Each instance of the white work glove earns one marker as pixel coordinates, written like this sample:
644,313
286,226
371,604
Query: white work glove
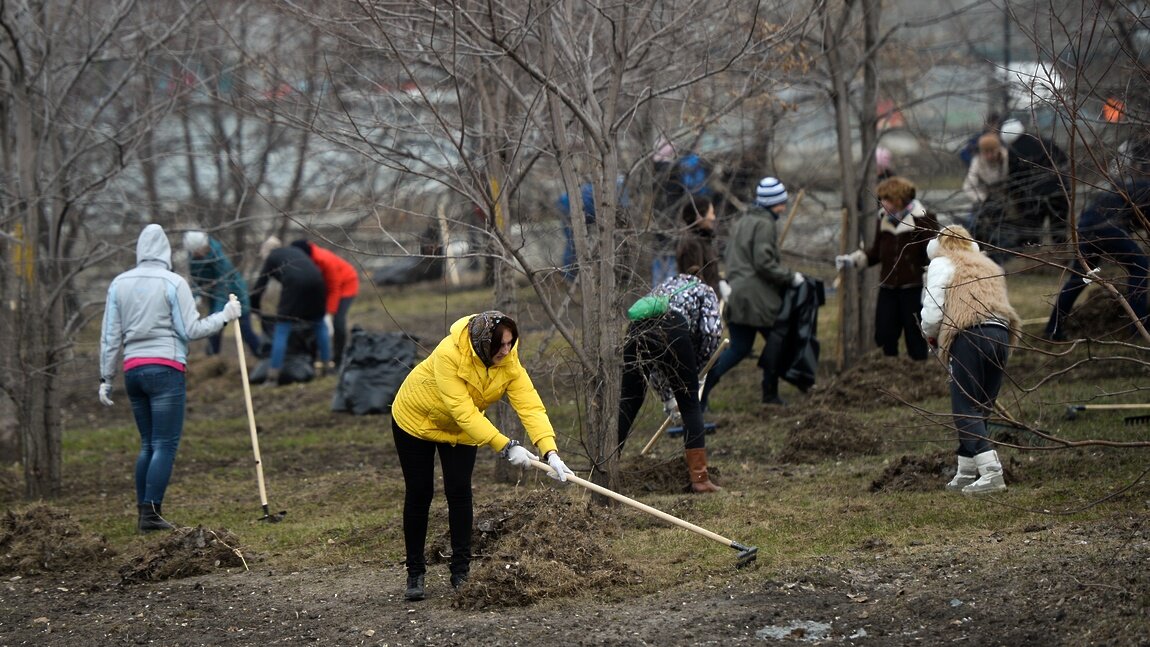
329,323
671,408
518,455
1092,276
797,280
557,464
844,262
724,290
106,394
232,309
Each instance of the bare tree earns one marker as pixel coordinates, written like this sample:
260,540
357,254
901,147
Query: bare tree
544,97
66,69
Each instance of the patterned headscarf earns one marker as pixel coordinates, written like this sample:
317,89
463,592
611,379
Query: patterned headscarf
482,330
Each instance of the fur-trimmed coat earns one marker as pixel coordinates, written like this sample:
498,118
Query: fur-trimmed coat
963,288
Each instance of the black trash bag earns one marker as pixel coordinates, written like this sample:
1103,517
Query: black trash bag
374,366
299,360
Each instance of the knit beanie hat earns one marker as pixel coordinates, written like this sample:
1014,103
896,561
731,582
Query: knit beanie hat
194,241
481,328
770,192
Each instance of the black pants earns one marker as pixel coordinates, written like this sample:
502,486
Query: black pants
417,459
896,315
977,362
662,344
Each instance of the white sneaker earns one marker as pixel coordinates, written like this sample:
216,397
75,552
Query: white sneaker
967,473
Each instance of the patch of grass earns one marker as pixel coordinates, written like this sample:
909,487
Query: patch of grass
339,480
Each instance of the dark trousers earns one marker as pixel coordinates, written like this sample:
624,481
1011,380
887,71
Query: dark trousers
339,330
417,460
742,343
977,362
1113,243
896,315
661,344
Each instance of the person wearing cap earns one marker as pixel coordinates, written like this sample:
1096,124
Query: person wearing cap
902,231
303,299
151,315
342,281
757,281
439,410
213,279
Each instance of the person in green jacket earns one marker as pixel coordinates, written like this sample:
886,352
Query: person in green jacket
757,281
439,410
213,279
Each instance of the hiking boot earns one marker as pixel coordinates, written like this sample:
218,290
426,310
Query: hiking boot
458,580
414,592
150,519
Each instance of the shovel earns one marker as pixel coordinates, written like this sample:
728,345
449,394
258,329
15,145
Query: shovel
746,553
270,518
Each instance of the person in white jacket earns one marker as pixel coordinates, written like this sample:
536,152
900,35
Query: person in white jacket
151,314
967,318
985,183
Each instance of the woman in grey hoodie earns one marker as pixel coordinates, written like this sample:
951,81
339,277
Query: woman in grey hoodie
151,314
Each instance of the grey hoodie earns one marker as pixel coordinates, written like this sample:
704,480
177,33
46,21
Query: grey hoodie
150,311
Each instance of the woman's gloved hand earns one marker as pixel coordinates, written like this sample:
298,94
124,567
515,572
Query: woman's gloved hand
518,455
557,464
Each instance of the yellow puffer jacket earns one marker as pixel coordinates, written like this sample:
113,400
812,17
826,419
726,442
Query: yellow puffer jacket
444,397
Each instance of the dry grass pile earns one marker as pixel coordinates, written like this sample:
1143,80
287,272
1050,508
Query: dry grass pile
542,545
43,539
183,553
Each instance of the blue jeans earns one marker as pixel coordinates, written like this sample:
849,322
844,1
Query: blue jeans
280,342
158,394
339,329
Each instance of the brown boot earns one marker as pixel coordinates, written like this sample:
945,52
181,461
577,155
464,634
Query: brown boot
697,468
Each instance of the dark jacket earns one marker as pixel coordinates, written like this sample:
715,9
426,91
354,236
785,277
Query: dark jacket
1117,208
304,292
757,278
901,247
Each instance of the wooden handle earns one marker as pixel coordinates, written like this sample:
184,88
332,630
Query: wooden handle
639,506
251,418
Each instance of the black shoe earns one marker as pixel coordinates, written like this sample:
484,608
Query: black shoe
458,580
414,592
775,401
150,519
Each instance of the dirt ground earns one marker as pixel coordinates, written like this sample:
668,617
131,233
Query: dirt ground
541,575
538,584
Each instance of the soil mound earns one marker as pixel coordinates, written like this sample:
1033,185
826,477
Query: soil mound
43,539
820,435
1099,316
893,379
641,475
916,473
542,545
183,553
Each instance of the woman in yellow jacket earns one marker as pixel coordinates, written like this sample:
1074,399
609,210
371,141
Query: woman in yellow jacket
439,409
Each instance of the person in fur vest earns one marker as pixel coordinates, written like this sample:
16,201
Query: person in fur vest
967,318
903,229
